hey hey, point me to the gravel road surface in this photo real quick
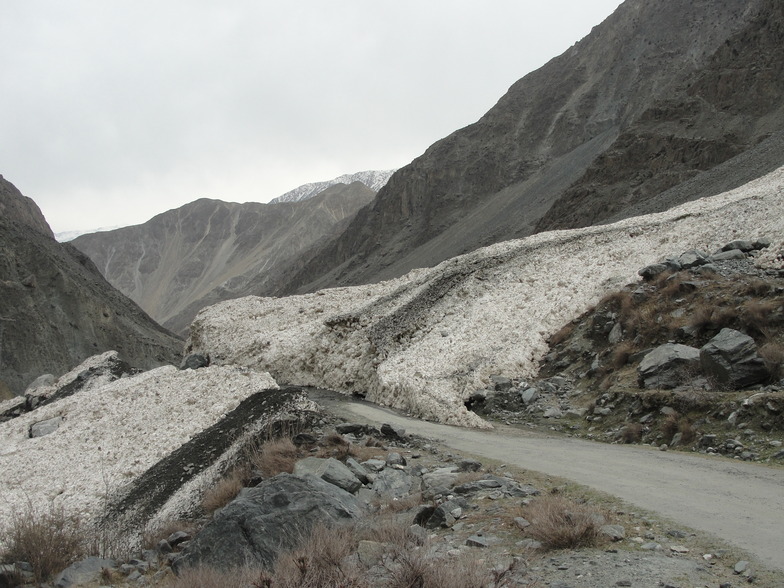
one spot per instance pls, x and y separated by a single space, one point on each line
741 503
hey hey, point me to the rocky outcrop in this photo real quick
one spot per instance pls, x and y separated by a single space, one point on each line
731 359
207 251
55 307
267 519
657 95
668 366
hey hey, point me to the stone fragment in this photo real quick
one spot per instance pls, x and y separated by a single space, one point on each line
393 431
330 470
469 465
394 458
353 428
613 532
501 383
529 395
651 271
194 361
82 572
477 541
393 483
46 427
741 567
358 470
728 255
692 258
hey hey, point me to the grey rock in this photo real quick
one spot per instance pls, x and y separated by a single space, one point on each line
374 465
330 470
43 381
393 431
614 532
728 255
358 470
652 546
265 520
194 361
552 413
178 538
82 572
731 359
668 365
353 428
740 245
393 483
651 271
616 334
442 515
741 567
501 383
529 395
394 458
692 258
477 541
46 427
576 413
439 481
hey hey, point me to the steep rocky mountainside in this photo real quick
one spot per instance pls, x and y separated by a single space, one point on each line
373 179
207 251
55 307
659 94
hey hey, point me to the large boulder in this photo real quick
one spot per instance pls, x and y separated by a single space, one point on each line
668 366
731 359
266 520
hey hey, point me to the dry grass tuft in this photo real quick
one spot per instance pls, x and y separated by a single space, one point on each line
419 568
560 523
323 560
48 541
631 433
224 491
772 353
210 578
274 457
621 353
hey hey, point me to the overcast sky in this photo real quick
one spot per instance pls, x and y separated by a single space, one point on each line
114 111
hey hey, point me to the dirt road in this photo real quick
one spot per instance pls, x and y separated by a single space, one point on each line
741 503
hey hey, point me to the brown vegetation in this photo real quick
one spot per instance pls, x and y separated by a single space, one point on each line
224 491
560 523
49 541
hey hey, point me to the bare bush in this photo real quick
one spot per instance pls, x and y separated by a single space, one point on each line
418 568
224 491
772 354
211 578
274 457
49 541
323 560
621 353
631 433
560 523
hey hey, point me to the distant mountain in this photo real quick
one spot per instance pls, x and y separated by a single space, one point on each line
661 93
66 236
207 251
375 180
55 307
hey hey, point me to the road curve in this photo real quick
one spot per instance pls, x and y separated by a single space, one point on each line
741 503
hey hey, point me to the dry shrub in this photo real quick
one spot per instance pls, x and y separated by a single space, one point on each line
706 317
211 578
754 287
419 568
631 433
224 491
323 560
334 445
687 431
560 523
275 456
561 334
671 288
621 353
669 426
772 353
757 315
49 541
399 504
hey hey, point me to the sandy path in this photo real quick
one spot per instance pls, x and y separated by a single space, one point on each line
741 503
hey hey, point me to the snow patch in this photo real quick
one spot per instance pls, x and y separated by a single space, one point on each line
111 434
